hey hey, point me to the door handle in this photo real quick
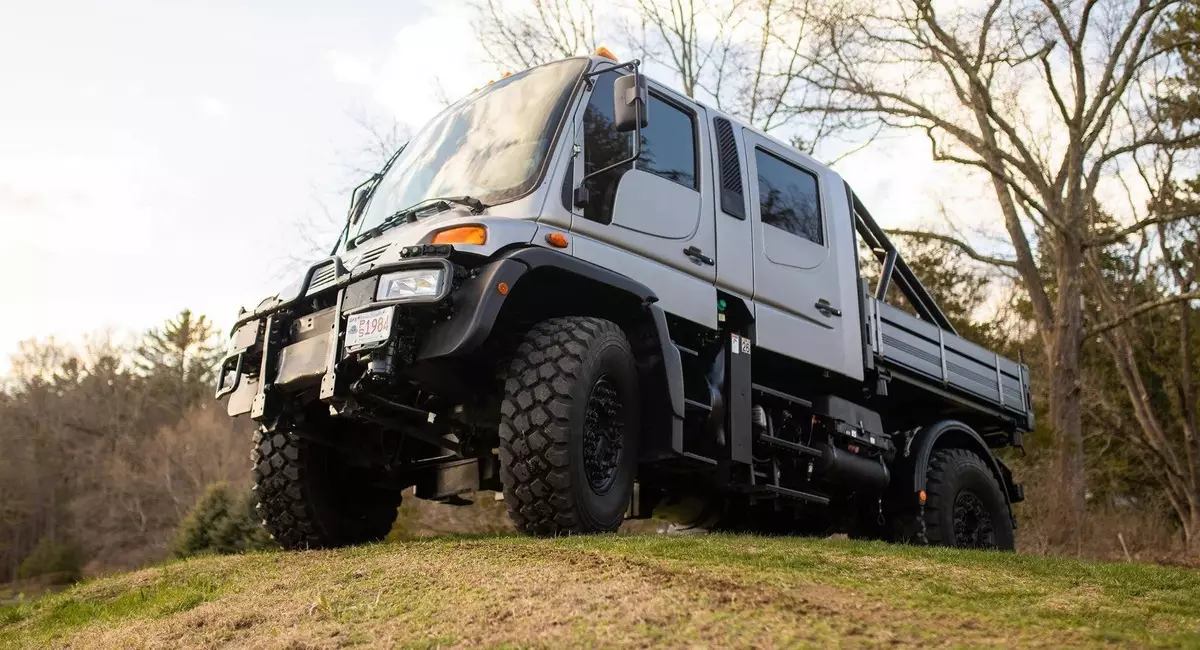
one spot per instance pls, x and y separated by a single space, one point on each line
698 255
827 309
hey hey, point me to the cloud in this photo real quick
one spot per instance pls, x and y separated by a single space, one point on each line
214 107
349 68
430 59
14 200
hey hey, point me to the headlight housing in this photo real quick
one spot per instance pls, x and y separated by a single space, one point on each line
414 283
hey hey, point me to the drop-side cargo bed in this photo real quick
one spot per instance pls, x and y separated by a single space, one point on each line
909 347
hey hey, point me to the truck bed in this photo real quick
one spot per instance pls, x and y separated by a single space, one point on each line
910 348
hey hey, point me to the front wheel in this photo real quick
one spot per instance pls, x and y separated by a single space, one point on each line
568 428
309 498
964 505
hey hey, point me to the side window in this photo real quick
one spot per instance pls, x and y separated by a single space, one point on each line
668 147
603 146
788 197
669 144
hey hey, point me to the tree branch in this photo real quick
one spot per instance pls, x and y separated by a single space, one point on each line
1143 308
963 246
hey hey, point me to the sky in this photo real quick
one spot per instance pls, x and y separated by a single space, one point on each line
157 155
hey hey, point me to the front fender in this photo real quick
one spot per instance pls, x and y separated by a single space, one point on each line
479 301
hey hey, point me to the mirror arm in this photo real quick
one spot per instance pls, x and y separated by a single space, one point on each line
636 154
581 197
632 65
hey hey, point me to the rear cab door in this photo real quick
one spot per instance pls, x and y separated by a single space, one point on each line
652 220
804 258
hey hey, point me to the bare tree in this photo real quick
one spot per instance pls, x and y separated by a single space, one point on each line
1156 357
538 33
1046 99
671 34
743 55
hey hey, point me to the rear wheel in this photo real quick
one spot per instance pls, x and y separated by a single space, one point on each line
568 428
964 505
309 498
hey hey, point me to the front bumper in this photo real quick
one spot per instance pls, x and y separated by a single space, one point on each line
296 344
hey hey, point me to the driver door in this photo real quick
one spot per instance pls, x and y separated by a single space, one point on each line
652 220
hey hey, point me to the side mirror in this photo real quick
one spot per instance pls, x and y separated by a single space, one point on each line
358 201
631 102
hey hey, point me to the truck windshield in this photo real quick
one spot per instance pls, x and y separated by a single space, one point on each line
491 146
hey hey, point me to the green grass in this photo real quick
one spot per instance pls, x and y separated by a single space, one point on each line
175 590
621 590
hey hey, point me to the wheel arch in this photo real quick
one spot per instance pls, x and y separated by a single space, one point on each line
542 283
953 434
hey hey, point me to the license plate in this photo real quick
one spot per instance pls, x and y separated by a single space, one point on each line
369 327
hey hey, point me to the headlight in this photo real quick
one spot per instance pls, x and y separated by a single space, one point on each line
418 283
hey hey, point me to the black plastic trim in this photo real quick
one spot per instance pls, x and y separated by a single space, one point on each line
536 257
922 446
733 198
672 362
478 304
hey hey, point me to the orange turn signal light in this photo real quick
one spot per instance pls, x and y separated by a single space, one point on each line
557 240
462 235
604 52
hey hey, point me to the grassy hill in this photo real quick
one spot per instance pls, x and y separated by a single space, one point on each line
628 591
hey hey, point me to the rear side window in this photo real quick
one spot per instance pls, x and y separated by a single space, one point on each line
788 197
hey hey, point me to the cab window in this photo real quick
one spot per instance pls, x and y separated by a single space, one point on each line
788 198
668 147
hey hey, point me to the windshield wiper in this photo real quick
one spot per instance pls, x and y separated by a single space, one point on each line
409 215
475 204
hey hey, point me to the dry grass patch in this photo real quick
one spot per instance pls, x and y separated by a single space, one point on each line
610 591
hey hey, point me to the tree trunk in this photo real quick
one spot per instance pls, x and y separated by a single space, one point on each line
1065 397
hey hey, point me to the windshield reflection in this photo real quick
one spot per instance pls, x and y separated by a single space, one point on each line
491 146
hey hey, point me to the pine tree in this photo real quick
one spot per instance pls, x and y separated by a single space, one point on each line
179 359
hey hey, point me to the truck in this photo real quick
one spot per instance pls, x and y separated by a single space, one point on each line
605 299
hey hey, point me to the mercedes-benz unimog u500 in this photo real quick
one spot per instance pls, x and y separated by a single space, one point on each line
599 296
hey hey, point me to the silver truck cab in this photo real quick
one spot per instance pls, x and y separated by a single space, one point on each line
556 289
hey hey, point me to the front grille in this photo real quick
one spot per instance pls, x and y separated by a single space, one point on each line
371 255
322 278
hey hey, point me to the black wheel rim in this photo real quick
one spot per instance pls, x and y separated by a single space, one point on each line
602 435
972 522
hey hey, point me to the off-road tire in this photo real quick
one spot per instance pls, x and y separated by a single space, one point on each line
955 477
557 370
308 498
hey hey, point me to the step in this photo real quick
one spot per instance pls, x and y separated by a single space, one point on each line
686 350
697 457
796 494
